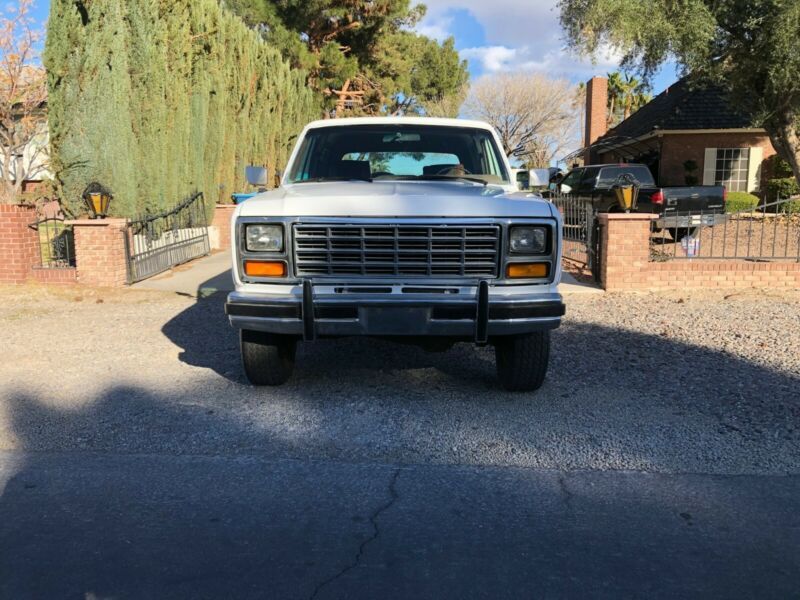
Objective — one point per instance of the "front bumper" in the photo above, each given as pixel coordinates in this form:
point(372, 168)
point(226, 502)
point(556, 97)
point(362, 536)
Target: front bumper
point(468, 313)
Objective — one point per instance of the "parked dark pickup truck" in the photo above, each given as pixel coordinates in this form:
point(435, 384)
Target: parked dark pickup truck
point(682, 210)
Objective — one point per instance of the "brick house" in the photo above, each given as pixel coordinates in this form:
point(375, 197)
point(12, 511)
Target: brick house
point(681, 124)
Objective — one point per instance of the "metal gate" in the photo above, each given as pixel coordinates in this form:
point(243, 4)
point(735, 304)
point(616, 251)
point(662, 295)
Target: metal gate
point(581, 232)
point(156, 243)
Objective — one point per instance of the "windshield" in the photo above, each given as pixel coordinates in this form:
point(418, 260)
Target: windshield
point(398, 152)
point(610, 175)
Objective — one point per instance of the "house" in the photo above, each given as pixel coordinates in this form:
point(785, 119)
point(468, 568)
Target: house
point(686, 135)
point(24, 133)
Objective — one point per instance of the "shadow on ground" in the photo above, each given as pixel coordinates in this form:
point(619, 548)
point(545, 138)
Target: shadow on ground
point(148, 493)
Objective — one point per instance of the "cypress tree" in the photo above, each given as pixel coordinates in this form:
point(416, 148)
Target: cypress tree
point(160, 99)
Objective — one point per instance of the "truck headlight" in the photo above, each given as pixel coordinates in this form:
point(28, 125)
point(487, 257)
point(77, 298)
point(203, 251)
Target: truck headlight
point(264, 238)
point(528, 240)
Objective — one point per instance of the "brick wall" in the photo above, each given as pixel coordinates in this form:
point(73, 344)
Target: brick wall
point(64, 276)
point(100, 255)
point(220, 230)
point(19, 248)
point(625, 264)
point(678, 148)
point(624, 249)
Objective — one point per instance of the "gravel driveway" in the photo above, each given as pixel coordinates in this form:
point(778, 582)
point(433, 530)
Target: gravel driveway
point(668, 384)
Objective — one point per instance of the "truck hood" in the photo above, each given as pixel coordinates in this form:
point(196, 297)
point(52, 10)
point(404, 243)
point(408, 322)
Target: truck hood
point(394, 199)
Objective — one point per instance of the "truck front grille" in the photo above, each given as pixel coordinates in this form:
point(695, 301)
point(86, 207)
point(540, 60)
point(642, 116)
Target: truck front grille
point(397, 250)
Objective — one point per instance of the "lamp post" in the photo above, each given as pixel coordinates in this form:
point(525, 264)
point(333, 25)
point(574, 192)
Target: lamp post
point(98, 199)
point(627, 192)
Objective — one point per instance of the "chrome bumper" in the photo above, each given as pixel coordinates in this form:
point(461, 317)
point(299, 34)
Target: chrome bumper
point(475, 316)
point(686, 221)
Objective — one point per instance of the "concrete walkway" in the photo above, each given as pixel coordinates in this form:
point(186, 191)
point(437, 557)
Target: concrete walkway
point(212, 274)
point(201, 277)
point(570, 285)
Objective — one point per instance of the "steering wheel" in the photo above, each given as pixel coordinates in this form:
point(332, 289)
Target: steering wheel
point(460, 168)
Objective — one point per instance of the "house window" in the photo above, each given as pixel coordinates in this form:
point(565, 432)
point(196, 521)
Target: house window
point(733, 168)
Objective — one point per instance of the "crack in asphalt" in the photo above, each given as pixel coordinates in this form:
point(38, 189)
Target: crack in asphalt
point(562, 485)
point(373, 519)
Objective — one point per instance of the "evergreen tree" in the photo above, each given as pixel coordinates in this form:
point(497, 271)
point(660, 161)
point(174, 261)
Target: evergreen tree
point(361, 55)
point(160, 99)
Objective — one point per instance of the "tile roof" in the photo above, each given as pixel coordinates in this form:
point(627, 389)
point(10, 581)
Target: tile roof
point(682, 106)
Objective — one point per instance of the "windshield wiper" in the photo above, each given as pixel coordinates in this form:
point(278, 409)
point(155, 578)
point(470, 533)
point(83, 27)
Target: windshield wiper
point(335, 178)
point(452, 178)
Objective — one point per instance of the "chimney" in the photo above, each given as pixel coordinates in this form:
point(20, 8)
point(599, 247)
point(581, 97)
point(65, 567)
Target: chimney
point(596, 112)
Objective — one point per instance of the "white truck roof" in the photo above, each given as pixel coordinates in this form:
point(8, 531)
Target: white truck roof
point(399, 121)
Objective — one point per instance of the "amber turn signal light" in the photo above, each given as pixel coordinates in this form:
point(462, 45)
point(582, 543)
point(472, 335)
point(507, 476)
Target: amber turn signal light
point(259, 268)
point(528, 270)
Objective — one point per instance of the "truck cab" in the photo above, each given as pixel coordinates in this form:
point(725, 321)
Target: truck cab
point(403, 228)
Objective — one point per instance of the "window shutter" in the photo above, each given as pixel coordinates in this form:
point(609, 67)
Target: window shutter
point(710, 166)
point(754, 170)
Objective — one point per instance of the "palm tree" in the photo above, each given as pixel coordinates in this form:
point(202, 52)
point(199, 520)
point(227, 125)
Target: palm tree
point(615, 97)
point(626, 95)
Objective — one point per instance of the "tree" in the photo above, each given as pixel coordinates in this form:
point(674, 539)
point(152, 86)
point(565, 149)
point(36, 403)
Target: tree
point(534, 115)
point(361, 55)
point(626, 95)
point(579, 106)
point(445, 106)
point(23, 96)
point(159, 99)
point(749, 47)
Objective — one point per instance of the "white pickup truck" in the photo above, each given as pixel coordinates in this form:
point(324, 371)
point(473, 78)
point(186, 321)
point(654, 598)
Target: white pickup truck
point(401, 228)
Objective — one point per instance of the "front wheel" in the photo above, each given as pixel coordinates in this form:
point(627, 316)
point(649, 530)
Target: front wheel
point(268, 359)
point(522, 361)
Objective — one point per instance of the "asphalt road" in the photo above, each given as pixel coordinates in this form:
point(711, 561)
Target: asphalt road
point(234, 527)
point(660, 460)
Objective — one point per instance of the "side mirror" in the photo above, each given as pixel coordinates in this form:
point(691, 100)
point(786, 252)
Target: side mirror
point(257, 176)
point(565, 189)
point(539, 177)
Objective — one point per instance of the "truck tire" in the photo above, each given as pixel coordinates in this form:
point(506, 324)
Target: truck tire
point(682, 232)
point(522, 361)
point(268, 359)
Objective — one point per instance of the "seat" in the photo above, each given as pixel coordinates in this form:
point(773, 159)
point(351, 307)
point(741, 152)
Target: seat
point(437, 169)
point(354, 169)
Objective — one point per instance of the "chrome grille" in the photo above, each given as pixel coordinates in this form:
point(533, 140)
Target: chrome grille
point(397, 250)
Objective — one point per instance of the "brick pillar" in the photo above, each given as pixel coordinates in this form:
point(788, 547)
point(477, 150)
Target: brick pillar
point(596, 112)
point(19, 246)
point(100, 254)
point(624, 250)
point(221, 226)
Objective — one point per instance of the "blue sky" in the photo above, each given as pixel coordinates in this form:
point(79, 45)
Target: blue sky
point(502, 35)
point(505, 35)
point(40, 9)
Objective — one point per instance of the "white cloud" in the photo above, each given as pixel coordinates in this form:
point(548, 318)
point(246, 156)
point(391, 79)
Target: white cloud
point(520, 35)
point(437, 27)
point(492, 58)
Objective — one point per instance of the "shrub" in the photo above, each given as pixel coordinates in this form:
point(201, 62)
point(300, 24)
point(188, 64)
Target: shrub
point(160, 99)
point(780, 168)
point(739, 201)
point(791, 208)
point(780, 189)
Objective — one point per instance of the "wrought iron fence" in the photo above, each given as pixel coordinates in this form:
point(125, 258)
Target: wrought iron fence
point(157, 242)
point(770, 232)
point(581, 234)
point(56, 243)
